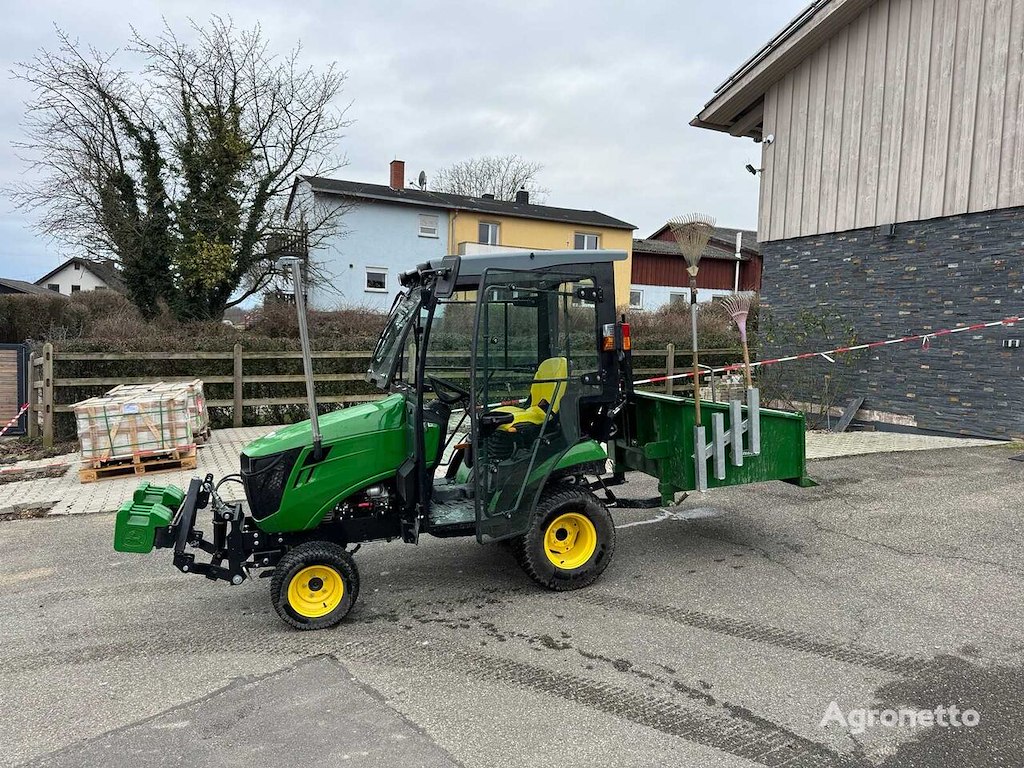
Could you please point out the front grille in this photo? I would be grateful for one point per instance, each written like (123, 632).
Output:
(265, 479)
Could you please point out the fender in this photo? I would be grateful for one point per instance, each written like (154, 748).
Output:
(584, 452)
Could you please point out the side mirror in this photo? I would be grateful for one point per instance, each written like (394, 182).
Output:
(490, 421)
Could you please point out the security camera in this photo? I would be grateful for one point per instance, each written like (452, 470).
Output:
(768, 140)
(752, 170)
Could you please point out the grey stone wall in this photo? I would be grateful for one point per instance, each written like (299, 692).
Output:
(925, 276)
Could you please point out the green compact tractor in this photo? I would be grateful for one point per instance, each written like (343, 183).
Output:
(507, 390)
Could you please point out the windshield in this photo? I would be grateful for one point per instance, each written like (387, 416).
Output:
(389, 346)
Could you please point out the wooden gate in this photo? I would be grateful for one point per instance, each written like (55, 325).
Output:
(13, 378)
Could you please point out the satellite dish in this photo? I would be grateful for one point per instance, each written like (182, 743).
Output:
(422, 180)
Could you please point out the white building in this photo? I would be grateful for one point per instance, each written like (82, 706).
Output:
(77, 274)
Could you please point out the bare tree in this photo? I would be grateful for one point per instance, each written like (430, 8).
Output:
(180, 171)
(499, 175)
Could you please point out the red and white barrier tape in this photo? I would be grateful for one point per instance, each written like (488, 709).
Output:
(924, 338)
(13, 421)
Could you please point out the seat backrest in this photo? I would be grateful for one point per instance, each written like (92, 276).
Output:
(550, 382)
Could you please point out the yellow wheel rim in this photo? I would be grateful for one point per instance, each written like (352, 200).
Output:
(315, 591)
(570, 540)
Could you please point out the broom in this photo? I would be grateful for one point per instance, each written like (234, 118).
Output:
(737, 305)
(692, 233)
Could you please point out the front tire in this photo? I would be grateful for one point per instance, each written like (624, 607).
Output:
(314, 585)
(571, 540)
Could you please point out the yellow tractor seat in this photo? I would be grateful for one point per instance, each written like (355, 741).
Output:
(546, 392)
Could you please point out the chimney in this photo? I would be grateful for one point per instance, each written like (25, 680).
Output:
(523, 197)
(398, 174)
(487, 196)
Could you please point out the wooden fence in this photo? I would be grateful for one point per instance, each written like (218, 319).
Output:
(45, 383)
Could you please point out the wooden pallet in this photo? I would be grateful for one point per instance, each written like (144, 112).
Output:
(139, 465)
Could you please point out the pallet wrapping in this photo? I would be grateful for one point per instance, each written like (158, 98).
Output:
(198, 416)
(138, 421)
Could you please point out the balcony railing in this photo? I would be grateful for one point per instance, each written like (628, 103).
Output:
(288, 244)
(470, 248)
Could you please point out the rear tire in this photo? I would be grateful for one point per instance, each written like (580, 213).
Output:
(314, 585)
(571, 540)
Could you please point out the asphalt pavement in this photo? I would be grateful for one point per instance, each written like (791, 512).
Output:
(721, 635)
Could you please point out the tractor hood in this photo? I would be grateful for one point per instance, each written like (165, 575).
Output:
(289, 489)
(368, 418)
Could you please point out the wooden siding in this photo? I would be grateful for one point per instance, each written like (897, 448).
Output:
(9, 374)
(914, 110)
(719, 274)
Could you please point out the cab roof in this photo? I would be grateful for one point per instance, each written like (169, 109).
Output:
(466, 270)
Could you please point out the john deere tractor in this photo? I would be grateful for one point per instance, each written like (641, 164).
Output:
(506, 388)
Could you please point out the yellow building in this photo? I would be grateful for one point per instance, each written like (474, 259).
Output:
(507, 225)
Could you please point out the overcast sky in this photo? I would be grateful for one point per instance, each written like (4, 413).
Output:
(600, 93)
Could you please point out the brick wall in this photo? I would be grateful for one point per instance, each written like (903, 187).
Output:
(928, 275)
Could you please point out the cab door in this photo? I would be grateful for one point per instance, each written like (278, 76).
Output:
(533, 341)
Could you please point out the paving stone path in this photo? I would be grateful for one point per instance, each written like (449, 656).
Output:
(220, 456)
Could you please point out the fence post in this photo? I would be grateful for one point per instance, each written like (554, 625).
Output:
(670, 367)
(32, 424)
(236, 410)
(48, 395)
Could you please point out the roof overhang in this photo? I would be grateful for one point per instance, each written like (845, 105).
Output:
(73, 260)
(299, 179)
(713, 254)
(457, 203)
(738, 104)
(24, 287)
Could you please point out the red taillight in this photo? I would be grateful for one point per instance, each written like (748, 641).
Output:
(627, 342)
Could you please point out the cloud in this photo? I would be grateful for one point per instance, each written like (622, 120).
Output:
(601, 93)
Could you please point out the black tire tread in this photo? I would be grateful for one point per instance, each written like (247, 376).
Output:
(311, 553)
(529, 552)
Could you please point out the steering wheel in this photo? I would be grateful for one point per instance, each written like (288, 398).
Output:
(448, 392)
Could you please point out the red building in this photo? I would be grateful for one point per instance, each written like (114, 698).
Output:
(659, 271)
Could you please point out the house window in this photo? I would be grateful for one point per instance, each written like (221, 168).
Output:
(586, 242)
(76, 288)
(677, 299)
(77, 266)
(376, 279)
(55, 287)
(488, 233)
(428, 225)
(636, 299)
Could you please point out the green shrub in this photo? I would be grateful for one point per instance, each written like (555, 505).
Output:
(31, 316)
(93, 315)
(671, 324)
(351, 328)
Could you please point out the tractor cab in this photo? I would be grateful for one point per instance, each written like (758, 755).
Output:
(513, 365)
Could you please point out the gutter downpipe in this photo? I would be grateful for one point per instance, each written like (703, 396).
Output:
(736, 278)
